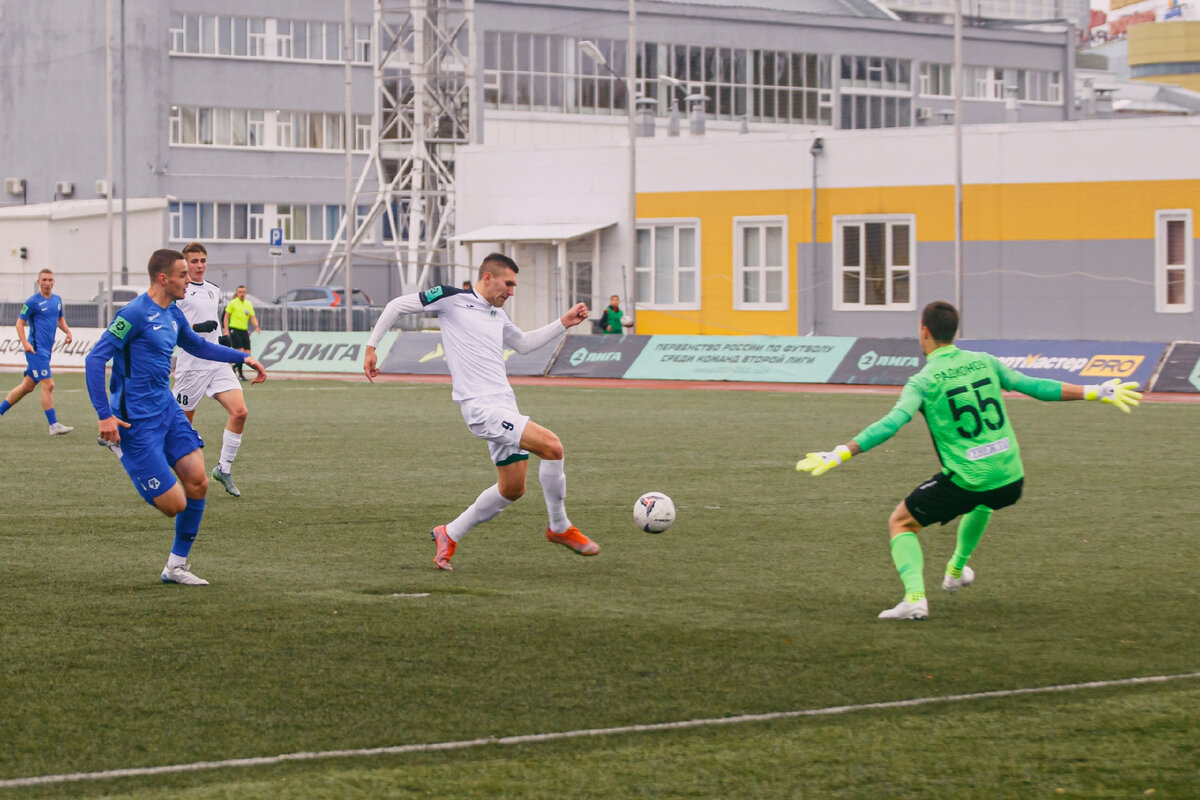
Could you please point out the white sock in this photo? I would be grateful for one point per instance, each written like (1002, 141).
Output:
(489, 503)
(554, 488)
(230, 442)
(175, 561)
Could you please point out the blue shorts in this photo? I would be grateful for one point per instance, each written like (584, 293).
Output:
(37, 366)
(152, 446)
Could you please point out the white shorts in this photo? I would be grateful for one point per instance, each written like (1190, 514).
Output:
(495, 419)
(194, 384)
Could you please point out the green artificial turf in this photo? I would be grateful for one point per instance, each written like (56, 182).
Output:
(326, 626)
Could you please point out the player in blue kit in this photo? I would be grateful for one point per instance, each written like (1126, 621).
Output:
(157, 437)
(43, 313)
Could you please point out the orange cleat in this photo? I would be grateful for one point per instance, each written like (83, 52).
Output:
(445, 547)
(575, 540)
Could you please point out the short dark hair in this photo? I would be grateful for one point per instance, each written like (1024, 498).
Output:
(193, 247)
(162, 260)
(941, 318)
(495, 263)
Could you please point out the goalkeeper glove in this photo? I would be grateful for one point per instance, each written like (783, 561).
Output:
(205, 327)
(1114, 392)
(820, 463)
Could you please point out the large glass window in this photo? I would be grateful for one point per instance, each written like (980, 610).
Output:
(760, 260)
(268, 38)
(991, 83)
(539, 72)
(874, 262)
(1174, 262)
(876, 92)
(246, 221)
(667, 274)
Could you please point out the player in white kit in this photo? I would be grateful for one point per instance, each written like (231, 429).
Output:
(196, 377)
(475, 331)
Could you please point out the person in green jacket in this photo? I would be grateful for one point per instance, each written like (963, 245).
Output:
(959, 394)
(613, 318)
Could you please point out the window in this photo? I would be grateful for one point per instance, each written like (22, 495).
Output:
(246, 221)
(667, 274)
(937, 80)
(876, 92)
(990, 83)
(1174, 262)
(283, 129)
(362, 44)
(860, 111)
(873, 262)
(283, 38)
(760, 263)
(175, 32)
(258, 38)
(363, 130)
(541, 72)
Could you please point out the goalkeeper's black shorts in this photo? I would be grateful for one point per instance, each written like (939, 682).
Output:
(940, 499)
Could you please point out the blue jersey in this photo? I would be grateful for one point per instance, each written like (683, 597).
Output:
(42, 315)
(140, 342)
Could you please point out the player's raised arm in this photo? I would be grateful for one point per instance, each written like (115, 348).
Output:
(575, 315)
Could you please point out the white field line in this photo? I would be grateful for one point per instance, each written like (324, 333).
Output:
(549, 737)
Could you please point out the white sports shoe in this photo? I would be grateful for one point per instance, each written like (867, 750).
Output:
(181, 575)
(115, 448)
(954, 584)
(907, 610)
(58, 429)
(226, 480)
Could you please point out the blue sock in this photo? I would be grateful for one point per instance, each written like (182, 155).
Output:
(4, 406)
(51, 417)
(187, 525)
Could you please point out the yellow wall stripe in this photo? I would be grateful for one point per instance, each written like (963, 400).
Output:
(1101, 210)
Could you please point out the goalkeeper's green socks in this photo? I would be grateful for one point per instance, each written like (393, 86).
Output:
(910, 563)
(970, 531)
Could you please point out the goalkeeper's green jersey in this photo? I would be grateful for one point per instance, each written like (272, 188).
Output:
(958, 392)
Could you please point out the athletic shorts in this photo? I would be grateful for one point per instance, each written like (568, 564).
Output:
(151, 447)
(239, 338)
(194, 384)
(495, 419)
(37, 366)
(939, 499)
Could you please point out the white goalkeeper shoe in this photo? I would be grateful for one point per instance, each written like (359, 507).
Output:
(182, 575)
(918, 609)
(950, 584)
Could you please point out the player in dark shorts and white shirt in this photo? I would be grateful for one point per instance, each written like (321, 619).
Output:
(475, 331)
(195, 377)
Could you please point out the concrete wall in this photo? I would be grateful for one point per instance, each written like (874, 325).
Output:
(70, 237)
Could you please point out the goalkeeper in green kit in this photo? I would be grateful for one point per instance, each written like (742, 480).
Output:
(958, 392)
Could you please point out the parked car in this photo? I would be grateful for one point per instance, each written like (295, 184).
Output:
(322, 296)
(227, 295)
(121, 295)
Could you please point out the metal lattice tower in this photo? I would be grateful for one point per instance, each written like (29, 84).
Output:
(424, 85)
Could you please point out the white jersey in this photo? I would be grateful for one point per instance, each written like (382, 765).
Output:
(474, 335)
(200, 304)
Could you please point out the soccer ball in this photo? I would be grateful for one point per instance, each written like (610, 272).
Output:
(653, 512)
